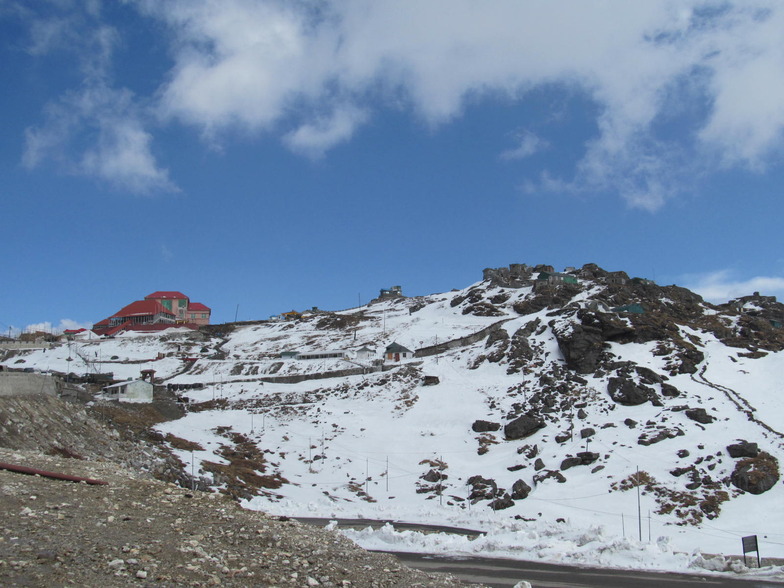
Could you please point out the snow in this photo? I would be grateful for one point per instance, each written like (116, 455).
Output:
(358, 445)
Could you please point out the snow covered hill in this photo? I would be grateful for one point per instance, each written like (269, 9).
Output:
(574, 415)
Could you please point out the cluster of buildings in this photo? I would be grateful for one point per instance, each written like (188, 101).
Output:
(158, 311)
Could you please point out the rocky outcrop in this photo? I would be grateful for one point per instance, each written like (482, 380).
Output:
(628, 392)
(481, 426)
(482, 488)
(581, 346)
(699, 415)
(520, 490)
(582, 458)
(522, 427)
(756, 474)
(743, 449)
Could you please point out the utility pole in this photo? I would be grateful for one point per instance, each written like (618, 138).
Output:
(236, 312)
(639, 512)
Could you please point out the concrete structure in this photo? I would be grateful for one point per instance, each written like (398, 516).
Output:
(556, 278)
(13, 344)
(396, 352)
(130, 391)
(393, 292)
(22, 383)
(365, 353)
(321, 355)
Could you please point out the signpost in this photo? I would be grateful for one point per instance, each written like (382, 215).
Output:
(750, 544)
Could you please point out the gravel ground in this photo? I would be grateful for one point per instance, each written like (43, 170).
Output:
(138, 531)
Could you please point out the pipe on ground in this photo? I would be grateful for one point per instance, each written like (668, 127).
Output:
(54, 475)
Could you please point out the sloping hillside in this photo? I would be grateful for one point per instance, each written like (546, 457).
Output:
(554, 397)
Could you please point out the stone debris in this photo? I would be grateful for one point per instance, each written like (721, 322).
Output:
(138, 531)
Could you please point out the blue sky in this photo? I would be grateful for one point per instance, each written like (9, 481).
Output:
(273, 155)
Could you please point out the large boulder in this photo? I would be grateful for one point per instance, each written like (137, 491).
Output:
(699, 415)
(582, 458)
(481, 426)
(502, 502)
(581, 346)
(743, 449)
(522, 427)
(756, 474)
(520, 490)
(628, 392)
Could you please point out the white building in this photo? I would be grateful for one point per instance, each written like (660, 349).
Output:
(130, 391)
(365, 353)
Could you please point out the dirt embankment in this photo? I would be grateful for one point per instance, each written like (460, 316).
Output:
(140, 531)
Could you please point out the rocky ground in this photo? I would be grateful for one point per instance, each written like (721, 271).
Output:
(140, 531)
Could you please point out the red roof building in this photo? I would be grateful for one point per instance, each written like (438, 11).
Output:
(184, 310)
(157, 311)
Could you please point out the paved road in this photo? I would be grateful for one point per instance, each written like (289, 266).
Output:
(504, 573)
(378, 523)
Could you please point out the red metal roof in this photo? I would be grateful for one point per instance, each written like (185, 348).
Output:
(143, 307)
(198, 306)
(165, 294)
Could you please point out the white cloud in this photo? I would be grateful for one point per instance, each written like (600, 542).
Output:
(98, 131)
(275, 66)
(314, 138)
(528, 144)
(48, 327)
(722, 285)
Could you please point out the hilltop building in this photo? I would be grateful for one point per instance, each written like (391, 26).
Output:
(158, 311)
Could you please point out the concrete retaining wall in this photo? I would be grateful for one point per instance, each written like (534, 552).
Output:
(461, 342)
(17, 384)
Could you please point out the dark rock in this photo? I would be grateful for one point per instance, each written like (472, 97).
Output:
(756, 474)
(570, 462)
(683, 453)
(430, 381)
(699, 415)
(597, 469)
(482, 488)
(515, 468)
(588, 457)
(630, 423)
(530, 451)
(581, 414)
(538, 464)
(648, 376)
(522, 427)
(520, 352)
(587, 432)
(481, 426)
(670, 391)
(582, 458)
(562, 437)
(502, 502)
(627, 392)
(743, 449)
(554, 474)
(649, 438)
(434, 476)
(581, 346)
(497, 335)
(520, 490)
